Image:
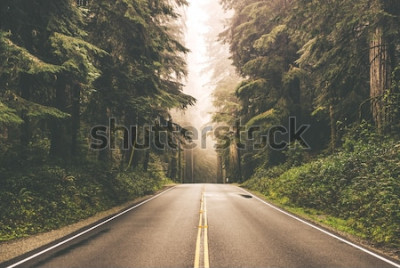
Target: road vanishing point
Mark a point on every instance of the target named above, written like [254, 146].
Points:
[203, 225]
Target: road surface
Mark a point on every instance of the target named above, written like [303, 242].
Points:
[205, 226]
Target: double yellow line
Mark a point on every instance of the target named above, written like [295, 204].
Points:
[202, 233]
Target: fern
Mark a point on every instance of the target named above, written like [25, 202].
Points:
[9, 116]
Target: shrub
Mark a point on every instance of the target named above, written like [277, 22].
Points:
[359, 184]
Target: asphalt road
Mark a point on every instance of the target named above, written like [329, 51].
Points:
[205, 226]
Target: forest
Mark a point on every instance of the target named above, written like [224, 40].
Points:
[68, 66]
[334, 67]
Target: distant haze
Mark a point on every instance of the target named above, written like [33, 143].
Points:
[202, 27]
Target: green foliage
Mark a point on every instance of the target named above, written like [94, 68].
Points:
[311, 60]
[44, 198]
[251, 88]
[19, 59]
[265, 41]
[261, 118]
[33, 110]
[76, 56]
[359, 184]
[63, 70]
[8, 115]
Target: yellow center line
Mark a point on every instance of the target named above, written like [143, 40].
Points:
[198, 242]
[202, 230]
[206, 258]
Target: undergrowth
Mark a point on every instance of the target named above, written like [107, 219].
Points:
[359, 185]
[50, 196]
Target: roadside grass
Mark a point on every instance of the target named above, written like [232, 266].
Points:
[333, 224]
[355, 191]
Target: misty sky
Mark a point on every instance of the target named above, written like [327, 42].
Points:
[198, 84]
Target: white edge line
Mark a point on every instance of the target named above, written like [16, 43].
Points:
[324, 231]
[87, 230]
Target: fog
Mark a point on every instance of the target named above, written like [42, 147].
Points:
[204, 20]
[198, 81]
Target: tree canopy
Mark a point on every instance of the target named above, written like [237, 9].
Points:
[330, 64]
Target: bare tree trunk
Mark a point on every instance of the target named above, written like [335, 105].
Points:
[179, 163]
[75, 120]
[25, 128]
[220, 178]
[332, 120]
[380, 72]
[60, 146]
[146, 160]
[234, 163]
[172, 167]
[189, 166]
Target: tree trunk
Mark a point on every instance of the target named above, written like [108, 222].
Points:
[332, 120]
[146, 160]
[25, 128]
[179, 163]
[380, 72]
[234, 153]
[189, 165]
[220, 178]
[60, 140]
[75, 120]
